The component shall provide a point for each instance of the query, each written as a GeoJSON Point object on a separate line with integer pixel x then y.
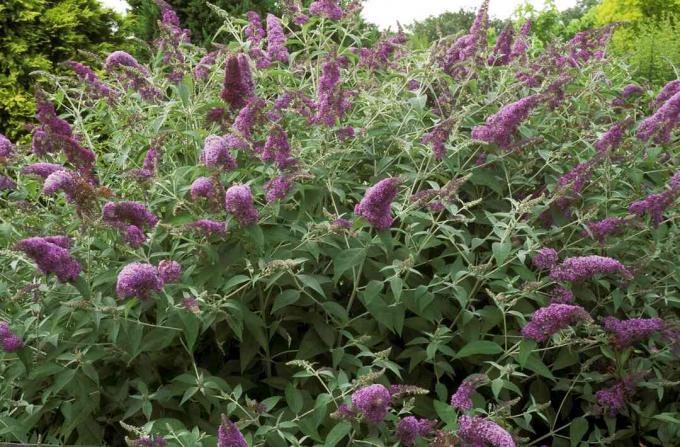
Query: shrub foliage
{"type": "Point", "coordinates": [296, 240]}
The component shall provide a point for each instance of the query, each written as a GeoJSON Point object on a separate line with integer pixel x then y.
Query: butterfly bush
{"type": "Point", "coordinates": [311, 233]}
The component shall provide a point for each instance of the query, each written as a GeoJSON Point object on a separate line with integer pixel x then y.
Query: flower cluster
{"type": "Point", "coordinates": [410, 428]}
{"type": "Point", "coordinates": [612, 400]}
{"type": "Point", "coordinates": [549, 320]}
{"type": "Point", "coordinates": [216, 154]}
{"type": "Point", "coordinates": [545, 259]}
{"type": "Point", "coordinates": [138, 280]}
{"type": "Point", "coordinates": [238, 86]}
{"type": "Point", "coordinates": [477, 431]}
{"type": "Point", "coordinates": [376, 204]}
{"type": "Point", "coordinates": [132, 74]}
{"type": "Point", "coordinates": [96, 88]}
{"type": "Point", "coordinates": [9, 341]}
{"type": "Point", "coordinates": [585, 267]}
{"type": "Point", "coordinates": [500, 127]}
{"type": "Point", "coordinates": [625, 333]}
{"type": "Point", "coordinates": [131, 218]}
{"type": "Point", "coordinates": [326, 8]}
{"type": "Point", "coordinates": [462, 399]}
{"type": "Point", "coordinates": [228, 435]}
{"type": "Point", "coordinates": [239, 202]}
{"type": "Point", "coordinates": [438, 136]}
{"type": "Point", "coordinates": [51, 254]}
{"type": "Point", "coordinates": [373, 401]}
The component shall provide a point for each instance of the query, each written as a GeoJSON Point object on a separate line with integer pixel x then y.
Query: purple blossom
{"type": "Point", "coordinates": [612, 400]}
{"type": "Point", "coordinates": [612, 138]}
{"type": "Point", "coordinates": [501, 53]}
{"type": "Point", "coordinates": [373, 401]}
{"type": "Point", "coordinates": [326, 8]}
{"type": "Point", "coordinates": [191, 304]}
{"type": "Point", "coordinates": [277, 188]}
{"type": "Point", "coordinates": [216, 154]}
{"type": "Point", "coordinates": [149, 164]}
{"type": "Point", "coordinates": [202, 69]}
{"type": "Point", "coordinates": [138, 280]}
{"type": "Point", "coordinates": [375, 206]}
{"type": "Point", "coordinates": [132, 73]}
{"type": "Point", "coordinates": [656, 204]}
{"type": "Point", "coordinates": [123, 59]}
{"type": "Point", "coordinates": [228, 435]}
{"type": "Point", "coordinates": [600, 229]}
{"type": "Point", "coordinates": [208, 227]}
{"type": "Point", "coordinates": [469, 45]}
{"type": "Point", "coordinates": [300, 19]}
{"type": "Point", "coordinates": [333, 101]}
{"type": "Point", "coordinates": [169, 271]}
{"type": "Point", "coordinates": [545, 259]}
{"type": "Point", "coordinates": [42, 169]}
{"type": "Point", "coordinates": [6, 147]}
{"type": "Point", "coordinates": [345, 133]}
{"type": "Point", "coordinates": [150, 441]}
{"type": "Point", "coordinates": [413, 84]}
{"type": "Point", "coordinates": [519, 48]}
{"type": "Point", "coordinates": [277, 149]}
{"type": "Point", "coordinates": [500, 126]}
{"type": "Point", "coordinates": [239, 202]}
{"type": "Point", "coordinates": [130, 218]}
{"type": "Point", "coordinates": [625, 333]}
{"type": "Point", "coordinates": [248, 116]}
{"type": "Point", "coordinates": [95, 86]}
{"type": "Point", "coordinates": [276, 40]}
{"type": "Point", "coordinates": [203, 187]}
{"type": "Point", "coordinates": [51, 257]}
{"type": "Point", "coordinates": [410, 428]}
{"type": "Point", "coordinates": [461, 400]}
{"type": "Point", "coordinates": [381, 55]}
{"type": "Point", "coordinates": [238, 86]}
{"type": "Point", "coordinates": [6, 183]}
{"type": "Point", "coordinates": [438, 136]}
{"type": "Point", "coordinates": [10, 342]}
{"type": "Point", "coordinates": [585, 267]}
{"type": "Point", "coordinates": [254, 31]}
{"type": "Point", "coordinates": [549, 320]}
{"type": "Point", "coordinates": [62, 180]}
{"type": "Point", "coordinates": [662, 122]}
{"type": "Point", "coordinates": [630, 90]}
{"type": "Point", "coordinates": [561, 295]}
{"type": "Point", "coordinates": [476, 431]}
{"type": "Point", "coordinates": [668, 90]}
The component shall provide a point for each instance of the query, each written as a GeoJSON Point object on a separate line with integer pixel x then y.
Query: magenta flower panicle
{"type": "Point", "coordinates": [477, 431]}
{"type": "Point", "coordinates": [373, 401]}
{"type": "Point", "coordinates": [326, 8]}
{"type": "Point", "coordinates": [376, 204]}
{"type": "Point", "coordinates": [500, 127]}
{"type": "Point", "coordinates": [612, 400]}
{"type": "Point", "coordinates": [130, 218]}
{"type": "Point", "coordinates": [276, 40]}
{"type": "Point", "coordinates": [238, 85]}
{"type": "Point", "coordinates": [545, 259]}
{"type": "Point", "coordinates": [461, 400]}
{"type": "Point", "coordinates": [228, 435]}
{"type": "Point", "coordinates": [208, 227]}
{"type": "Point", "coordinates": [626, 333]}
{"type": "Point", "coordinates": [409, 429]}
{"type": "Point", "coordinates": [9, 341]}
{"type": "Point", "coordinates": [239, 202]}
{"type": "Point", "coordinates": [169, 271]}
{"type": "Point", "coordinates": [585, 267]}
{"type": "Point", "coordinates": [138, 280]}
{"type": "Point", "coordinates": [51, 256]}
{"type": "Point", "coordinates": [549, 320]}
{"type": "Point", "coordinates": [216, 154]}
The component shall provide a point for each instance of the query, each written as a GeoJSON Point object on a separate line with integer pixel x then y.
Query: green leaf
{"type": "Point", "coordinates": [536, 365]}
{"type": "Point", "coordinates": [346, 260]}
{"type": "Point", "coordinates": [445, 412]}
{"type": "Point", "coordinates": [577, 430]}
{"type": "Point", "coordinates": [501, 251]}
{"type": "Point", "coordinates": [337, 433]}
{"type": "Point", "coordinates": [479, 347]}
{"type": "Point", "coordinates": [83, 287]}
{"type": "Point", "coordinates": [285, 298]}
{"type": "Point", "coordinates": [293, 398]}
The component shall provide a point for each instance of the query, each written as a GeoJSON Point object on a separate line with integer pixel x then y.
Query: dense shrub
{"type": "Point", "coordinates": [38, 35]}
{"type": "Point", "coordinates": [341, 245]}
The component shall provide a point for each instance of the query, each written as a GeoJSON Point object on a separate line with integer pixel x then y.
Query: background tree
{"type": "Point", "coordinates": [193, 14]}
{"type": "Point", "coordinates": [647, 39]}
{"type": "Point", "coordinates": [449, 23]}
{"type": "Point", "coordinates": [38, 35]}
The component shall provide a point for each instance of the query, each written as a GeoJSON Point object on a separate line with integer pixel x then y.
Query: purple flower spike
{"type": "Point", "coordinates": [375, 206]}
{"type": "Point", "coordinates": [130, 218]}
{"type": "Point", "coordinates": [138, 280]}
{"type": "Point", "coordinates": [239, 202]}
{"type": "Point", "coordinates": [628, 332]}
{"type": "Point", "coordinates": [549, 320]}
{"type": "Point", "coordinates": [602, 228]}
{"type": "Point", "coordinates": [612, 138]}
{"type": "Point", "coordinates": [545, 259]}
{"type": "Point", "coordinates": [202, 187]}
{"type": "Point", "coordinates": [169, 271]}
{"type": "Point", "coordinates": [277, 188]}
{"type": "Point", "coordinates": [373, 401]}
{"type": "Point", "coordinates": [208, 227]}
{"type": "Point", "coordinates": [7, 184]}
{"type": "Point", "coordinates": [238, 81]}
{"type": "Point", "coordinates": [228, 435]}
{"type": "Point", "coordinates": [612, 401]}
{"type": "Point", "coordinates": [662, 122]}
{"type": "Point", "coordinates": [585, 267]}
{"type": "Point", "coordinates": [6, 147]}
{"type": "Point", "coordinates": [276, 40]}
{"type": "Point", "coordinates": [326, 8]}
{"type": "Point", "coordinates": [410, 429]}
{"type": "Point", "coordinates": [478, 432]}
{"type": "Point", "coordinates": [461, 399]}
{"type": "Point", "coordinates": [51, 257]}
{"type": "Point", "coordinates": [500, 127]}
{"type": "Point", "coordinates": [501, 53]}
{"type": "Point", "coordinates": [42, 169]}
{"type": "Point", "coordinates": [216, 154]}
{"type": "Point", "coordinates": [9, 341]}
{"type": "Point", "coordinates": [254, 31]}
{"type": "Point", "coordinates": [437, 137]}
{"type": "Point", "coordinates": [561, 295]}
